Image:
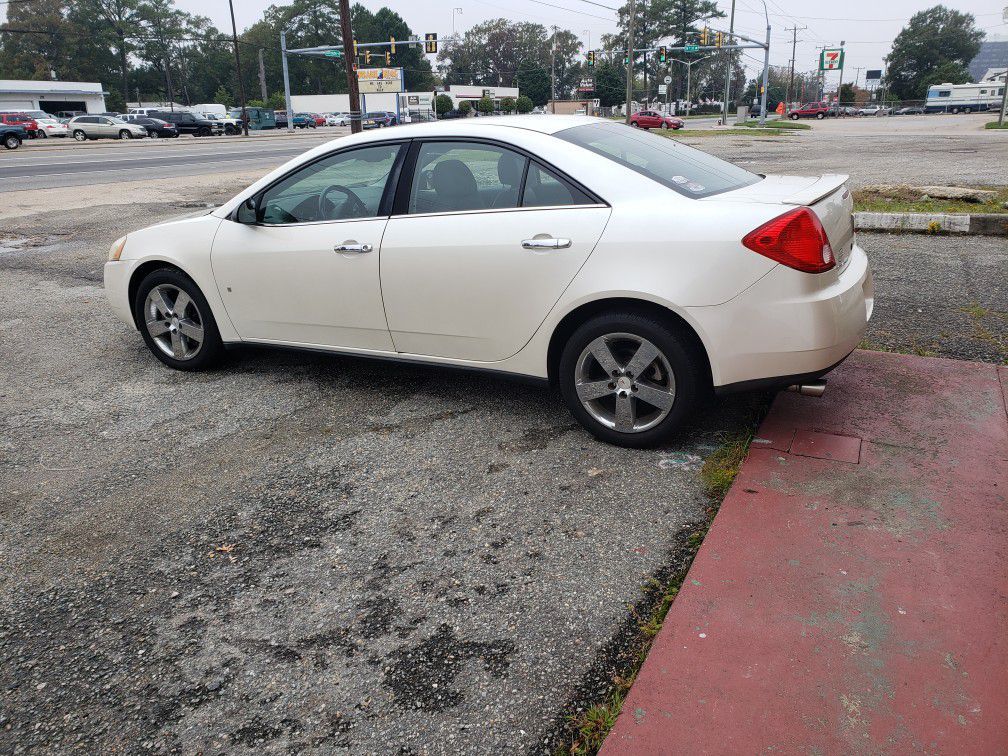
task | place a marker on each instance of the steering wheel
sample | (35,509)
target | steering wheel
(352,208)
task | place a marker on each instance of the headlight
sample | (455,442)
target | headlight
(116,249)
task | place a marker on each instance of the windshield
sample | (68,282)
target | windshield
(688,171)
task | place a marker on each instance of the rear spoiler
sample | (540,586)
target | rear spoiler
(825,186)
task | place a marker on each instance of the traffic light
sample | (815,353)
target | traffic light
(705,36)
(388,59)
(662,54)
(719,39)
(355,48)
(626,59)
(430,43)
(367,57)
(591,58)
(392,46)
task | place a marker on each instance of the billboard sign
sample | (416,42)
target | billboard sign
(375,80)
(587,84)
(873,74)
(831,60)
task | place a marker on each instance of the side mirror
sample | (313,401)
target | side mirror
(248,211)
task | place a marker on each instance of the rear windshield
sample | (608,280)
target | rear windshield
(688,171)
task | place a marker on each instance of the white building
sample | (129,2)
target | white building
(52,96)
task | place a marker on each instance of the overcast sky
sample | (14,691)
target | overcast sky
(866,26)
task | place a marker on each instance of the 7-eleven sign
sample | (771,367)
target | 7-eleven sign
(831,60)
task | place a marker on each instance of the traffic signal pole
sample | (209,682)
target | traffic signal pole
(630,60)
(766,75)
(728,62)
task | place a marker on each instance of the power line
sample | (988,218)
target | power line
(571,10)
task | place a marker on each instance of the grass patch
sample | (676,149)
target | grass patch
(585,731)
(994,125)
(903,200)
(777,124)
(919,350)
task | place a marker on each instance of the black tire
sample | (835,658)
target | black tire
(687,366)
(79,135)
(794,116)
(635,124)
(125,134)
(153,135)
(211,349)
(41,134)
(820,116)
(967,110)
(12,141)
(230,130)
(203,132)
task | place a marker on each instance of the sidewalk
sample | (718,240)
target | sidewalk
(852,594)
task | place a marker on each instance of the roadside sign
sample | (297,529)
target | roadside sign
(333,53)
(668,79)
(873,74)
(662,88)
(692,48)
(374,80)
(587,84)
(831,60)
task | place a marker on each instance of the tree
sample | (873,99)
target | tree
(465,107)
(485,106)
(523,104)
(846,94)
(118,21)
(442,104)
(507,104)
(534,80)
(936,40)
(610,84)
(223,97)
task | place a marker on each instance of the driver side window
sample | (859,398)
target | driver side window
(343,186)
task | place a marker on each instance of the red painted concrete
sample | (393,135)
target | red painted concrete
(848,608)
(826,446)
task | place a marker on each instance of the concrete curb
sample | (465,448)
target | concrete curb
(981,224)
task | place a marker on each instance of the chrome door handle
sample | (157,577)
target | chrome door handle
(546,243)
(349,247)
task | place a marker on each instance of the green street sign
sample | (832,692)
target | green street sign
(333,53)
(692,48)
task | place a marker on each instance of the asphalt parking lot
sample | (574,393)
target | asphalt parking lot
(304,552)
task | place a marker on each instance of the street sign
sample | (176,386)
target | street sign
(662,89)
(831,60)
(374,80)
(692,48)
(334,53)
(668,79)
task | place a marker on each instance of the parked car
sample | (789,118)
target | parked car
(318,117)
(523,245)
(12,135)
(29,124)
(301,121)
(259,119)
(229,125)
(189,123)
(652,119)
(85,127)
(337,119)
(910,110)
(305,120)
(817,110)
(157,128)
(378,119)
(51,127)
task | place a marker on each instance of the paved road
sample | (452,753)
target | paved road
(43,166)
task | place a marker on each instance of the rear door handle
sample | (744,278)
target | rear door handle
(546,243)
(352,247)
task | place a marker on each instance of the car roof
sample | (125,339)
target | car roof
(545,124)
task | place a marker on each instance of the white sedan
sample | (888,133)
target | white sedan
(632,271)
(51,127)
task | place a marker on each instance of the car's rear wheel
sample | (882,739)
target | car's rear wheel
(203,132)
(820,116)
(79,135)
(153,135)
(175,321)
(664,126)
(630,378)
(12,141)
(794,116)
(967,110)
(41,134)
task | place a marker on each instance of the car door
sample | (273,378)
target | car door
(484,241)
(299,263)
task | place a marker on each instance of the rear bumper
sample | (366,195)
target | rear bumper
(787,327)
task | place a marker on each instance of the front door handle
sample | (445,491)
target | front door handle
(547,243)
(352,247)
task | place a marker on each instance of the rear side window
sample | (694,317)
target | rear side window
(687,171)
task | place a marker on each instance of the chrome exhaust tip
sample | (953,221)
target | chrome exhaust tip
(810,388)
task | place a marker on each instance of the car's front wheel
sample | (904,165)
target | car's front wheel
(12,141)
(630,378)
(175,320)
(794,116)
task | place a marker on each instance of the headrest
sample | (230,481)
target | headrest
(453,178)
(509,168)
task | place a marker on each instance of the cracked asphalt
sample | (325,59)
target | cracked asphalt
(303,552)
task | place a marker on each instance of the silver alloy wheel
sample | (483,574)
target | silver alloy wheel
(625,382)
(154,135)
(173,322)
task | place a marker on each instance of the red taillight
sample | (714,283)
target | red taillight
(796,239)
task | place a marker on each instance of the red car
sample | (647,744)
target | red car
(319,119)
(29,124)
(652,119)
(810,110)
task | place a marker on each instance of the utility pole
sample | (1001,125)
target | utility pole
(171,93)
(553,73)
(794,44)
(1004,90)
(262,76)
(766,74)
(286,79)
(727,68)
(840,85)
(351,73)
(630,59)
(238,71)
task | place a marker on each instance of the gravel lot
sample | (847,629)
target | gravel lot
(302,552)
(297,551)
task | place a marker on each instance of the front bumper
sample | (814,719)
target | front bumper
(787,325)
(117,277)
